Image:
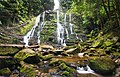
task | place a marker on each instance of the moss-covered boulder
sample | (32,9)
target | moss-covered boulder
(10,63)
(5,72)
(46,57)
(104,66)
(25,53)
(28,69)
(11,51)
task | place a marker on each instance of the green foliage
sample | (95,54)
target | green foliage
(96,13)
(13,11)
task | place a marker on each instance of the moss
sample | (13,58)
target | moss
(11,51)
(67,74)
(23,54)
(5,72)
(64,67)
(46,57)
(103,66)
(28,70)
(10,63)
(56,63)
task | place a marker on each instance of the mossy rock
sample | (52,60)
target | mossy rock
(11,51)
(64,67)
(46,57)
(56,62)
(67,74)
(5,72)
(104,66)
(28,70)
(10,63)
(25,53)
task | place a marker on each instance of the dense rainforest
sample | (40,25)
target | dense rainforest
(97,22)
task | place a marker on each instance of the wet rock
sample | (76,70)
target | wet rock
(117,72)
(14,75)
(28,70)
(25,53)
(58,52)
(39,49)
(45,75)
(81,54)
(70,50)
(68,47)
(5,72)
(47,47)
(52,71)
(102,65)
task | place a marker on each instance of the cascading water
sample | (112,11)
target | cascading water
(85,70)
(30,34)
(56,5)
(40,27)
(66,30)
(62,28)
(70,24)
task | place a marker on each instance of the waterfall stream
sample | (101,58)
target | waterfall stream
(63,30)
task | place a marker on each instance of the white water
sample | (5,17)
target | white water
(70,24)
(88,70)
(60,27)
(40,27)
(65,23)
(56,5)
(30,34)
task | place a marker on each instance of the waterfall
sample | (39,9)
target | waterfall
(30,34)
(70,24)
(38,24)
(56,5)
(60,27)
(40,27)
(63,28)
(65,23)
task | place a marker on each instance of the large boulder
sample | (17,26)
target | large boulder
(10,63)
(5,72)
(102,65)
(8,51)
(25,53)
(28,69)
